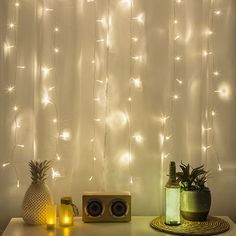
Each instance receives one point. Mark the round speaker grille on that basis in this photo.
(118, 208)
(94, 208)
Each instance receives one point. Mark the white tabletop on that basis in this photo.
(139, 226)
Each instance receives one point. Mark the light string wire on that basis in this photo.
(167, 126)
(130, 89)
(107, 92)
(211, 76)
(46, 99)
(95, 99)
(135, 82)
(12, 90)
(176, 83)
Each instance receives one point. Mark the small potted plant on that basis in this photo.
(195, 197)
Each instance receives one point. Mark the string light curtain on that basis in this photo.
(111, 91)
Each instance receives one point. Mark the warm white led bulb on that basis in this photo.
(177, 58)
(217, 12)
(11, 25)
(15, 108)
(219, 167)
(179, 81)
(56, 50)
(18, 184)
(100, 40)
(58, 157)
(46, 71)
(175, 22)
(138, 138)
(17, 4)
(5, 164)
(137, 82)
(137, 58)
(49, 9)
(178, 1)
(51, 88)
(168, 137)
(55, 174)
(20, 67)
(56, 29)
(94, 158)
(205, 148)
(164, 119)
(176, 96)
(10, 89)
(140, 18)
(91, 177)
(209, 32)
(216, 73)
(131, 180)
(213, 113)
(135, 39)
(129, 99)
(177, 37)
(65, 135)
(46, 100)
(54, 120)
(20, 145)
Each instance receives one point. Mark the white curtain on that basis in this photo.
(73, 88)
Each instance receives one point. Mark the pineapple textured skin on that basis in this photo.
(35, 202)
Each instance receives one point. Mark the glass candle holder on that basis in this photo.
(66, 212)
(51, 216)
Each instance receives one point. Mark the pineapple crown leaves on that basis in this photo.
(192, 179)
(39, 170)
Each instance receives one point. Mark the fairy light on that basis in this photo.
(6, 164)
(15, 108)
(217, 12)
(56, 50)
(138, 138)
(46, 100)
(12, 25)
(175, 96)
(46, 71)
(137, 82)
(106, 88)
(56, 29)
(20, 145)
(10, 89)
(20, 67)
(223, 90)
(65, 135)
(163, 119)
(179, 81)
(55, 174)
(216, 73)
(177, 58)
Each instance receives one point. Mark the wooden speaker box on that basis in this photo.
(106, 207)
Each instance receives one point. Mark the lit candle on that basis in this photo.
(66, 212)
(51, 216)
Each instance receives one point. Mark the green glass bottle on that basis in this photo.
(172, 198)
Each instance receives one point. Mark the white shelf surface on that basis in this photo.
(139, 226)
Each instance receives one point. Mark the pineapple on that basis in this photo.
(38, 196)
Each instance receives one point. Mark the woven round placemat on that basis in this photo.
(212, 226)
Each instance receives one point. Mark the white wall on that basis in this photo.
(72, 75)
